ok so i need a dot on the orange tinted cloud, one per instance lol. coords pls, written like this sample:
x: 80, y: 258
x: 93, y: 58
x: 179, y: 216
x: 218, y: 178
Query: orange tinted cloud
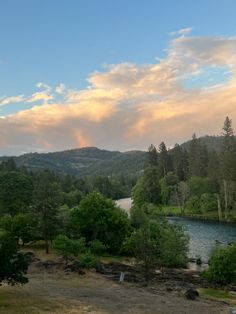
x: 129, y: 105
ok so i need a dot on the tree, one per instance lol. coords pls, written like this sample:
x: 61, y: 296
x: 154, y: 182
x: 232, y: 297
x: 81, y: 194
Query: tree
x: 228, y: 165
x: 13, y: 264
x: 146, y: 251
x: 47, y: 199
x: 147, y: 189
x: 199, y: 185
x: 99, y: 218
x: 15, y: 192
x: 152, y: 155
x: 164, y: 160
x: 8, y: 165
x: 158, y: 243
x: 179, y: 158
x: 168, y: 186
x: 198, y: 158
x: 23, y: 226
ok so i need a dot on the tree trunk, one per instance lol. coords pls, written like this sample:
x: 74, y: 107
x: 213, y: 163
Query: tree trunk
x: 46, y: 238
x: 225, y: 198
x: 219, y: 208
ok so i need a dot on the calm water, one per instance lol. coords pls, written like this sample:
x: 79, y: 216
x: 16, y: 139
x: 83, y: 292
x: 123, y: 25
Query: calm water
x: 203, y: 234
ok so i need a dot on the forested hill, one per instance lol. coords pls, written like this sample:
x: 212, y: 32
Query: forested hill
x: 84, y: 161
x: 94, y: 161
x: 211, y: 142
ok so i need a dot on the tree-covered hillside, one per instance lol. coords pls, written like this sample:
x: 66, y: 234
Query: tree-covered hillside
x: 94, y: 161
x: 84, y: 161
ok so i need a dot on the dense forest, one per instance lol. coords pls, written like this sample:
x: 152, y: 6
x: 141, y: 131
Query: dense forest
x: 192, y: 177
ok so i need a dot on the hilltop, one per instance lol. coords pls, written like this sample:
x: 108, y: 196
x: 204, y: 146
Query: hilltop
x: 95, y: 161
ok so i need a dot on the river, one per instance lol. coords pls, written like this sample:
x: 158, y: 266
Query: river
x: 202, y: 234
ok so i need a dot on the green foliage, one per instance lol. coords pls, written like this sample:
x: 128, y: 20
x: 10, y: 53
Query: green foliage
x: 147, y: 189
x: 158, y: 243
x: 168, y: 186
x: 22, y: 227
x: 47, y: 199
x: 198, y: 158
x: 222, y: 265
x: 139, y: 216
x: 173, y: 246
x: 96, y: 247
x: 208, y: 202
x: 99, y: 218
x: 193, y: 205
x: 88, y: 260
x: 146, y: 250
x: 68, y: 247
x: 13, y: 264
x: 199, y: 186
x: 15, y: 192
x: 152, y: 155
x: 72, y: 198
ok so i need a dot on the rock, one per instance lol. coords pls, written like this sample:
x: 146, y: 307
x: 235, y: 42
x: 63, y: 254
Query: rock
x: 31, y: 257
x: 191, y: 294
x: 100, y: 268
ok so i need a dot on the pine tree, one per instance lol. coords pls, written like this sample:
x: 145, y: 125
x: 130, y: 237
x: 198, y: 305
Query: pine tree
x: 152, y: 155
x: 228, y: 164
x: 164, y: 160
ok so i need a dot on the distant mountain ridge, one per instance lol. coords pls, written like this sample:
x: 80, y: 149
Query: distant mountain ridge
x: 95, y: 161
x: 84, y: 161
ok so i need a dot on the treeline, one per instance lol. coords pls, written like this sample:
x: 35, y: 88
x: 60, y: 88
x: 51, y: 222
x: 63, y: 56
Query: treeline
x: 196, y: 180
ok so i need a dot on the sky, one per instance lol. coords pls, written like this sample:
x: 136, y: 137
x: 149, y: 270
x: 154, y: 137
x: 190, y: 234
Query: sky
x: 118, y: 75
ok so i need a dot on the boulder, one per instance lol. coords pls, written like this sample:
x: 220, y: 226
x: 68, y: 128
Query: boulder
x: 191, y: 294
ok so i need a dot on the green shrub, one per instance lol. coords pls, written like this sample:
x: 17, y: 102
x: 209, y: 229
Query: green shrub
x: 222, y: 265
x: 68, y: 247
x: 96, y: 247
x: 88, y: 260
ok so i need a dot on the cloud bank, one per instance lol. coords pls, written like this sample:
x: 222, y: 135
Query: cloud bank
x: 129, y: 106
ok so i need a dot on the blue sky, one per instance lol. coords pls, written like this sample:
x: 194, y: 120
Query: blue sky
x: 68, y: 42
x: 64, y: 41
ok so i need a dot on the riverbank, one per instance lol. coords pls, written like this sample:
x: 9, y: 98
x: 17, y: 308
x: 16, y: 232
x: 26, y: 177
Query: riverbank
x: 170, y: 211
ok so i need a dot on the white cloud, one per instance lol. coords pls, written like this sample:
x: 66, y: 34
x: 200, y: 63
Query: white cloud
x: 130, y: 105
x: 182, y: 32
x: 12, y: 99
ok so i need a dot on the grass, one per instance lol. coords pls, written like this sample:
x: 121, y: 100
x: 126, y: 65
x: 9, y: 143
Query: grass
x: 15, y: 301
x: 217, y: 294
x: 170, y: 210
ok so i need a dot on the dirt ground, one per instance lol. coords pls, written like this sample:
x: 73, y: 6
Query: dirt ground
x: 59, y: 293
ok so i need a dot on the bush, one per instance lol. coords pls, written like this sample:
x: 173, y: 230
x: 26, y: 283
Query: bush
x: 13, y: 264
x: 68, y: 247
x: 222, y: 265
x: 88, y: 260
x: 193, y: 205
x: 97, y: 247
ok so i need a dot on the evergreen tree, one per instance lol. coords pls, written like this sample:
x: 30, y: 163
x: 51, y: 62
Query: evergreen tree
x: 152, y: 155
x: 179, y: 158
x: 164, y: 160
x: 228, y: 164
x: 198, y: 158
x: 47, y: 199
